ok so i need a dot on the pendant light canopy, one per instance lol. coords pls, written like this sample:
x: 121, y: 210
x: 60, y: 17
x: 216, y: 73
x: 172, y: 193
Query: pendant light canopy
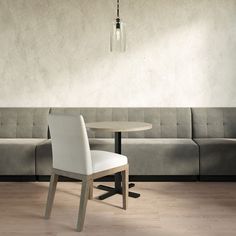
x: 117, y: 36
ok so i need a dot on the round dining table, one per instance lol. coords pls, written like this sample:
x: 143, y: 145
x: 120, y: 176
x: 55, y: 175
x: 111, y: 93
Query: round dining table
x: 118, y: 127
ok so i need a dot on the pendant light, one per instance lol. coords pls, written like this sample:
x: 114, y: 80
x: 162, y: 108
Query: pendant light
x: 117, y: 36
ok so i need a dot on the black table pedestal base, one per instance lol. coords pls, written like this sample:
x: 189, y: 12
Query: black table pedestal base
x: 118, y: 188
x: 112, y: 191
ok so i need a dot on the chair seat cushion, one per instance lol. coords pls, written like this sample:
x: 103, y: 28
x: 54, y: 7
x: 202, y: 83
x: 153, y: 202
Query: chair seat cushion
x: 217, y: 156
x: 17, y: 156
x: 103, y: 160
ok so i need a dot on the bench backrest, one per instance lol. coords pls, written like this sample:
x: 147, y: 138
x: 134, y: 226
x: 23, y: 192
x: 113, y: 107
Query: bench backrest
x: 214, y: 122
x: 167, y: 122
x: 24, y: 122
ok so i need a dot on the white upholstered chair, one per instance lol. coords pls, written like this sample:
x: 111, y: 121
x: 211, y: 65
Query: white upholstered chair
x: 72, y: 158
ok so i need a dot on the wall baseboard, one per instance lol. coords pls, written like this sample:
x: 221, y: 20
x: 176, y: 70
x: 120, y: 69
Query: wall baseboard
x: 217, y: 178
x: 17, y: 178
x: 135, y: 178
x: 132, y: 178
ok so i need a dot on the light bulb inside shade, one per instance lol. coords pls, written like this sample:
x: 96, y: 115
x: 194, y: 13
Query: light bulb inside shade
x: 118, y: 34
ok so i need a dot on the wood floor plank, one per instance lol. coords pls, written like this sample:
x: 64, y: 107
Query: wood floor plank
x: 164, y: 209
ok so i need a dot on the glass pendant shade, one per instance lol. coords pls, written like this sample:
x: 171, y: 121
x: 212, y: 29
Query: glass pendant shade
x: 118, y: 37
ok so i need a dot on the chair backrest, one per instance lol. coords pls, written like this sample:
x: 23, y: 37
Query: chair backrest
x: 70, y: 145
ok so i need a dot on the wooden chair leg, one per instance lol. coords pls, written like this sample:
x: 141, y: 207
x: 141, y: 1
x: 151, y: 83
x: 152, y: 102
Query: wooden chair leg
x: 51, y: 194
x: 83, y: 204
x: 91, y: 190
x: 125, y: 187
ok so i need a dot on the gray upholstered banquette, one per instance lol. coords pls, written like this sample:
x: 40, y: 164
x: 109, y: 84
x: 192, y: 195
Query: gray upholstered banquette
x: 214, y: 130
x: 21, y: 129
x: 183, y: 141
x: 166, y: 149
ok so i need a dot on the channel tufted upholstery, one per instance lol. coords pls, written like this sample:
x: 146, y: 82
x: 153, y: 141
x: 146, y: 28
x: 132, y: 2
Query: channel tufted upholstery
x: 166, y: 122
x: 23, y: 122
x: 168, y: 148
x: 214, y: 130
x: 214, y: 122
x: 21, y: 130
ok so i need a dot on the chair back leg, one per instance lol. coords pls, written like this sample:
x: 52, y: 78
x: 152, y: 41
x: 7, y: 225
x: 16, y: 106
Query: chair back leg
x: 83, y: 203
x: 125, y: 187
x: 51, y: 195
x: 91, y: 190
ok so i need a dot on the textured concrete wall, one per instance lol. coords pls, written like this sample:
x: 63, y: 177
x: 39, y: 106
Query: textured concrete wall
x: 56, y: 53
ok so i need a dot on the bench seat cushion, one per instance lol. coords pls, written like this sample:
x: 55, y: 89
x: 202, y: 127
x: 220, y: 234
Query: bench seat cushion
x: 17, y: 156
x: 44, y: 158
x: 217, y: 156
x: 145, y: 156
x: 162, y: 156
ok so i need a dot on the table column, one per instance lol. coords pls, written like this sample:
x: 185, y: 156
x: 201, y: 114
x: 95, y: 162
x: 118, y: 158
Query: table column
x: 118, y: 178
x: 118, y: 150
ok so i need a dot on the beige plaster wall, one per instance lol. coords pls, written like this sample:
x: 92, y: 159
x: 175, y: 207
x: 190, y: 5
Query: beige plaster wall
x: 56, y: 53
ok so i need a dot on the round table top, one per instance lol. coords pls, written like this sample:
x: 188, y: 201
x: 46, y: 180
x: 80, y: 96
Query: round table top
x: 118, y: 126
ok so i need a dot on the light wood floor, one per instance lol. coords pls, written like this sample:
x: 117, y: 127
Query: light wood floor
x: 164, y: 209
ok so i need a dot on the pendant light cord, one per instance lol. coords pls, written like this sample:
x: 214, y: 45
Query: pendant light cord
x: 118, y: 9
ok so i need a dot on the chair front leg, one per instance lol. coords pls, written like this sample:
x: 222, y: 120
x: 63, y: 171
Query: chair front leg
x: 83, y: 203
x: 125, y: 186
x: 51, y: 194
